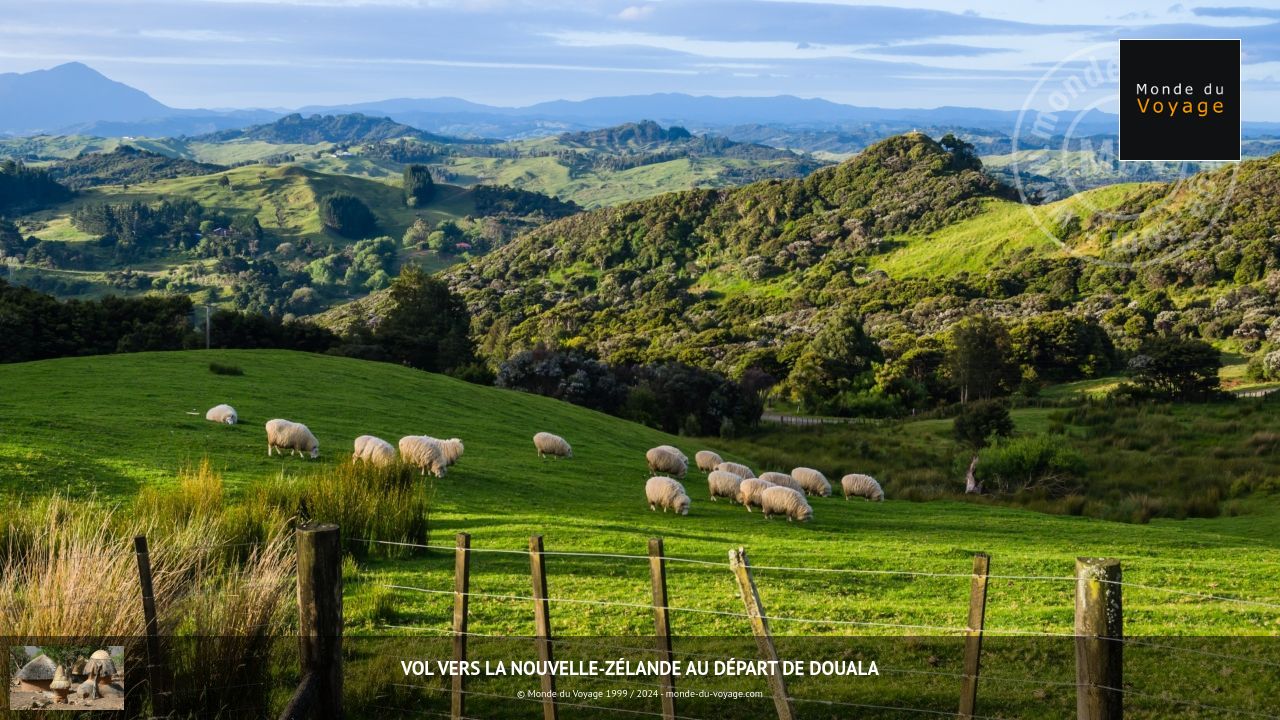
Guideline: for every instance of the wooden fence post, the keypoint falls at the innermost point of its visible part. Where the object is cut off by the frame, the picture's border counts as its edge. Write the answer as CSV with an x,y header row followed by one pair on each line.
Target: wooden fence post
x,y
1099,640
320,619
155,663
542,626
973,634
662,625
760,627
461,588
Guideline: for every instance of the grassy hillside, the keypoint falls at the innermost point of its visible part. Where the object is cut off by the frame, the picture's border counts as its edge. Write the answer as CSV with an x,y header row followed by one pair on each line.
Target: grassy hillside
x,y
105,426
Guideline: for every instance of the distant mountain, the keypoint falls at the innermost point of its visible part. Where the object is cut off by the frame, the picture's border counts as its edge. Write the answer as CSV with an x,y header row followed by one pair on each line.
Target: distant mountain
x,y
67,95
126,165
348,128
189,122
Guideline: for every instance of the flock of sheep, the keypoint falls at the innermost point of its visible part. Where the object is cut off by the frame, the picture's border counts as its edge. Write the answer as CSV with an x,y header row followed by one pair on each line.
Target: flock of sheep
x,y
775,493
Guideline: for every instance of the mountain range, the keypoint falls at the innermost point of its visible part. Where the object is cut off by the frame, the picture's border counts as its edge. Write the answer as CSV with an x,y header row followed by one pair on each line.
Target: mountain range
x,y
73,98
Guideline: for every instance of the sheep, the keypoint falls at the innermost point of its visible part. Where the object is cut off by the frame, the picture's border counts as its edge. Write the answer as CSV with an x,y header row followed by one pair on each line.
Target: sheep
x,y
552,445
749,491
783,479
373,450
295,437
424,453
666,493
723,484
738,469
785,501
813,482
707,460
863,486
663,459
222,414
676,451
452,450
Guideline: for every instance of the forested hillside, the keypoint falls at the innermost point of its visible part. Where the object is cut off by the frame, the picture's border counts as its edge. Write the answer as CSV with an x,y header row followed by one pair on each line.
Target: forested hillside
x,y
781,277
126,165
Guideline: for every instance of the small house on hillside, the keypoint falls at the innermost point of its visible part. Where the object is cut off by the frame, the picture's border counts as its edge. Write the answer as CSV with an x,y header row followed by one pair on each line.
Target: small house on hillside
x,y
37,675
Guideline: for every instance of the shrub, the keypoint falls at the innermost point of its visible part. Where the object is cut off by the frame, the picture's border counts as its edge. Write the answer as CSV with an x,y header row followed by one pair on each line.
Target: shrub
x,y
1033,463
347,215
220,369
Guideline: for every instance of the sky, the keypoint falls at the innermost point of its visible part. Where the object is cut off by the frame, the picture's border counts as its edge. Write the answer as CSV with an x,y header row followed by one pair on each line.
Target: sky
x,y
903,53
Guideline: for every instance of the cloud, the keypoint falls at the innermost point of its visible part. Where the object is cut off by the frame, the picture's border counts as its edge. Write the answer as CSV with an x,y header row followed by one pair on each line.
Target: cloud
x,y
1237,11
937,50
635,12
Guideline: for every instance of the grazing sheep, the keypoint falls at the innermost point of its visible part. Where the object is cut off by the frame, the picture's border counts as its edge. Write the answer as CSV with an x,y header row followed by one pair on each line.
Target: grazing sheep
x,y
452,450
785,501
723,484
813,482
295,437
222,414
373,450
783,479
677,451
707,460
424,453
863,486
738,469
666,459
749,492
668,494
552,445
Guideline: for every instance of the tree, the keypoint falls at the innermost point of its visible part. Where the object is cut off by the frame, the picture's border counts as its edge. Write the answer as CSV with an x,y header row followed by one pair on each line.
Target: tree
x,y
974,427
839,353
980,358
347,215
427,326
418,186
1174,368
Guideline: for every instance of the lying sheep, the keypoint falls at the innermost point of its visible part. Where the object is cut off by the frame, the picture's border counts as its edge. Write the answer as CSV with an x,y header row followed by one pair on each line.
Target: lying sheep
x,y
738,469
663,492
813,482
707,460
295,437
552,445
222,414
424,453
749,491
666,459
373,450
785,501
452,450
863,486
723,484
783,479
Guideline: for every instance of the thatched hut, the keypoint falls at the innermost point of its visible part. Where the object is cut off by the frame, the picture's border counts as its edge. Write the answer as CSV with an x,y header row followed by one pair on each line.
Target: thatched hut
x,y
37,675
100,669
60,686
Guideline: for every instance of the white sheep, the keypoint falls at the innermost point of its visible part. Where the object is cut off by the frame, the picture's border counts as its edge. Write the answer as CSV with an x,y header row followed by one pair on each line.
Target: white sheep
x,y
785,501
749,492
222,414
424,453
783,479
723,484
452,450
738,469
295,437
552,445
707,460
373,450
813,482
666,493
863,486
677,451
666,459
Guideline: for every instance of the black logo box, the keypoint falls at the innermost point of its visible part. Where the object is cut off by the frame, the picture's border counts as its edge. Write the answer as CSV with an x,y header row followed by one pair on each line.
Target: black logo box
x,y
1180,65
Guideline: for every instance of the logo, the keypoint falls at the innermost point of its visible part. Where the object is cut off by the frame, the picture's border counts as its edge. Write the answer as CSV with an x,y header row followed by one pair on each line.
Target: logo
x,y
1180,100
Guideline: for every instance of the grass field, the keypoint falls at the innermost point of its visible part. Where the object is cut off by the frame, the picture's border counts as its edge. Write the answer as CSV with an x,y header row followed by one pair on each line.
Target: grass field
x,y
104,427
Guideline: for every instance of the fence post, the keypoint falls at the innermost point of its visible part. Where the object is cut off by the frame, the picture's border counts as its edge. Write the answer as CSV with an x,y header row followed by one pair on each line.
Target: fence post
x,y
760,627
662,625
155,664
320,618
1099,640
973,634
461,588
542,626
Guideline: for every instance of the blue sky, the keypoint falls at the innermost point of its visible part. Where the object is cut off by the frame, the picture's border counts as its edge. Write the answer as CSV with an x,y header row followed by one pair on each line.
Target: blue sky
x,y
910,53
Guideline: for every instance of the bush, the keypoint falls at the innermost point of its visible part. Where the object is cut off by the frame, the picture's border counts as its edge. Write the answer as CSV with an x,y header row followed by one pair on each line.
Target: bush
x,y
220,369
1035,463
347,215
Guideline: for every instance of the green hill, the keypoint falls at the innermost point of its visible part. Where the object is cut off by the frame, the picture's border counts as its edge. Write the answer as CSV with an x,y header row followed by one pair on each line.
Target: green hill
x,y
348,128
125,165
106,426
